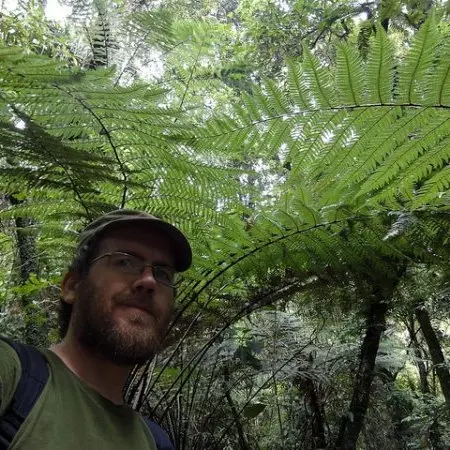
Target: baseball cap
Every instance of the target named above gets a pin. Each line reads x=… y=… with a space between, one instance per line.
x=120 y=217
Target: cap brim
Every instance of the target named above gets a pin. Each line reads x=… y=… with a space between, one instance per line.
x=181 y=248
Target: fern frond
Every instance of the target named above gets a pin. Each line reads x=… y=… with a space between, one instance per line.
x=278 y=101
x=318 y=79
x=431 y=132
x=380 y=73
x=413 y=72
x=344 y=162
x=344 y=136
x=395 y=134
x=438 y=80
x=434 y=189
x=319 y=129
x=350 y=80
x=95 y=146
x=298 y=91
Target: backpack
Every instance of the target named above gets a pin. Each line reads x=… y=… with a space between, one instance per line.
x=32 y=381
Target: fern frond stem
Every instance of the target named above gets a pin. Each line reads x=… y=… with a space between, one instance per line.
x=91 y=45
x=318 y=110
x=316 y=40
x=319 y=85
x=191 y=74
x=108 y=137
x=413 y=77
x=380 y=71
x=220 y=272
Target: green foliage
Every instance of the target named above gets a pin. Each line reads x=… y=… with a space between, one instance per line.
x=30 y=30
x=349 y=130
x=306 y=196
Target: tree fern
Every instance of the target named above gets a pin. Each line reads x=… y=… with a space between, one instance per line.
x=361 y=129
x=81 y=131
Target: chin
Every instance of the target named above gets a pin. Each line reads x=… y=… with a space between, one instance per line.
x=139 y=345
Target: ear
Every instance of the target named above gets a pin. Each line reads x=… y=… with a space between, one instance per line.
x=69 y=287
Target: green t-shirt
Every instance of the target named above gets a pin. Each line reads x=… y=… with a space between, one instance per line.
x=69 y=414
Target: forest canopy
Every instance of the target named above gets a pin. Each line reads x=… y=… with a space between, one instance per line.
x=304 y=149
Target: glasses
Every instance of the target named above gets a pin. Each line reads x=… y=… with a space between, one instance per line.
x=133 y=265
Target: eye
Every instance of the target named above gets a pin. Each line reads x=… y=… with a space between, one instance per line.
x=163 y=274
x=125 y=262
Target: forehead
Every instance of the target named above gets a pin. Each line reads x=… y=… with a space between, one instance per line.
x=148 y=243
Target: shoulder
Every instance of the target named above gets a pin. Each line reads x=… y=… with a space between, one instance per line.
x=6 y=350
x=10 y=372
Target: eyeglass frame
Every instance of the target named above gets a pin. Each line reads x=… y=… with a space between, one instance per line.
x=144 y=265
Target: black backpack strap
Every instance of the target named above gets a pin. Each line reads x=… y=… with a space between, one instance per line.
x=32 y=381
x=161 y=438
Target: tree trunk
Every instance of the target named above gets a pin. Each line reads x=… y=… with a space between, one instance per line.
x=352 y=422
x=423 y=372
x=318 y=415
x=27 y=264
x=437 y=356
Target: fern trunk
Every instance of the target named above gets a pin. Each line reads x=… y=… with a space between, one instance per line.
x=437 y=356
x=26 y=266
x=352 y=422
x=318 y=433
x=26 y=245
x=423 y=373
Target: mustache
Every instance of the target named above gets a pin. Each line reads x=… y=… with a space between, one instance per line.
x=139 y=301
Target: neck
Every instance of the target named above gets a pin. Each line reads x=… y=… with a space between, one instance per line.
x=107 y=378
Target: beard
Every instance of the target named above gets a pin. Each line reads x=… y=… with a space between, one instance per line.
x=128 y=344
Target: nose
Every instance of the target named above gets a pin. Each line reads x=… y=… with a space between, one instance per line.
x=146 y=281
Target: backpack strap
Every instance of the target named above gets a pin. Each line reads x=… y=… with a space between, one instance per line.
x=161 y=438
x=32 y=381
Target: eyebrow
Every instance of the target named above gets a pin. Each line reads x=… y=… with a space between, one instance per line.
x=155 y=263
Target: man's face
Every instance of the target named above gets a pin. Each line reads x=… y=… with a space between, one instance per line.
x=124 y=317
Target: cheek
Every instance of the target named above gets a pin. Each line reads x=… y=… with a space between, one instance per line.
x=108 y=291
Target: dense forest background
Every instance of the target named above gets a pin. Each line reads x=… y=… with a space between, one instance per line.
x=304 y=148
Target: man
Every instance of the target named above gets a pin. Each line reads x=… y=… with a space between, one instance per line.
x=117 y=300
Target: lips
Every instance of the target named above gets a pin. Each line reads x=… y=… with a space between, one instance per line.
x=139 y=306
